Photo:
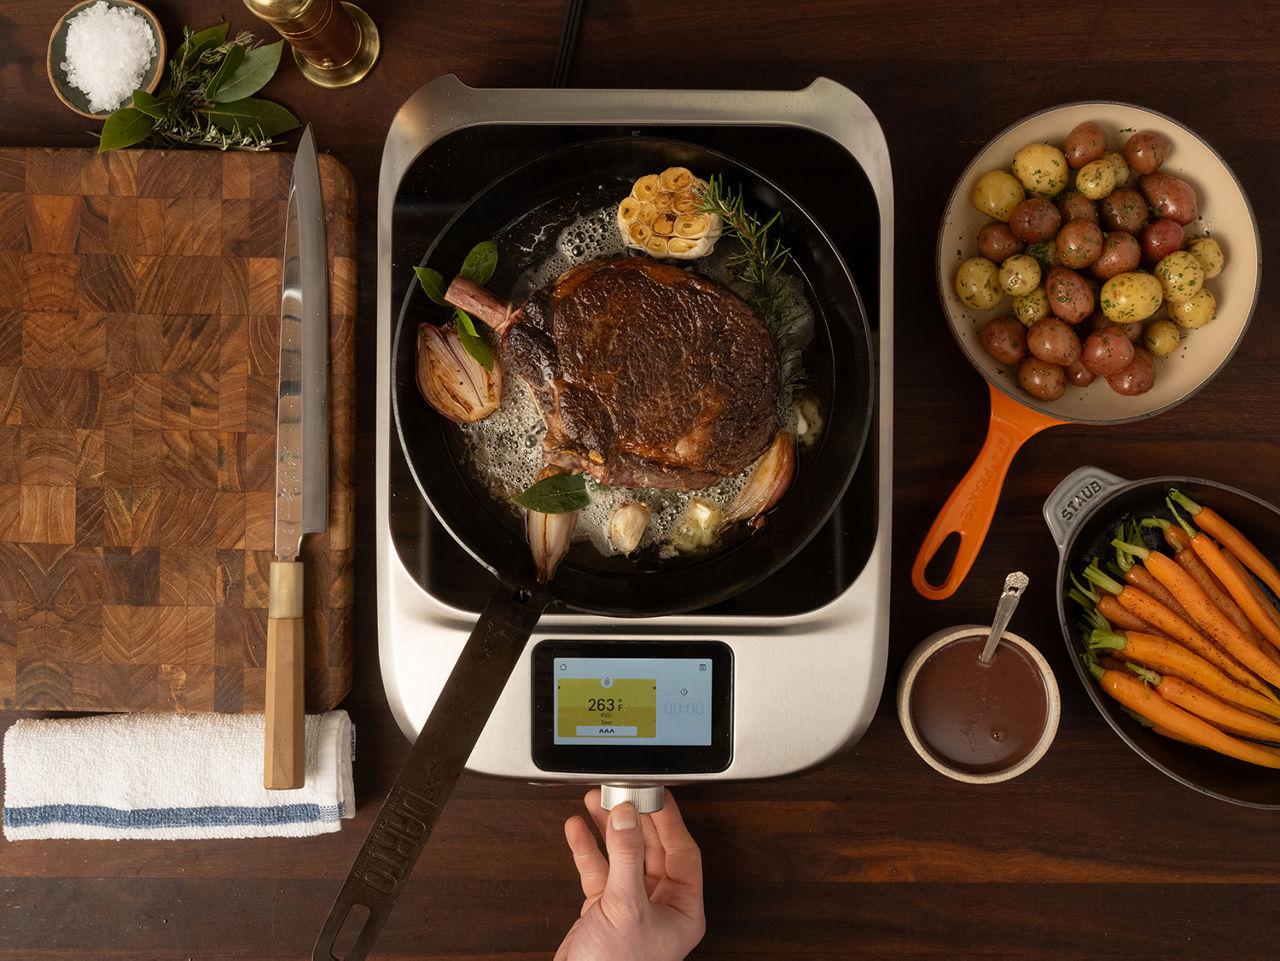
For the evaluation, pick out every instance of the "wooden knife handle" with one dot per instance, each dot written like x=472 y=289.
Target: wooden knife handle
x=285 y=765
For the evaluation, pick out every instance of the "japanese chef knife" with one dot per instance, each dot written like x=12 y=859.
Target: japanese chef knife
x=302 y=461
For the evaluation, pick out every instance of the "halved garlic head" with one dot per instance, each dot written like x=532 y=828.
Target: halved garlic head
x=627 y=525
x=451 y=380
x=662 y=218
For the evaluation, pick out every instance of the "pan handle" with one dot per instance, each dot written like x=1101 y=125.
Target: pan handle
x=436 y=760
x=971 y=507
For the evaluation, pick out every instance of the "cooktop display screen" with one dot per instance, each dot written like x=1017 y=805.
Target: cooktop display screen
x=631 y=706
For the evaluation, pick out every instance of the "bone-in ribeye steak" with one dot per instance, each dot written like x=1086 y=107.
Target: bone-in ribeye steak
x=646 y=375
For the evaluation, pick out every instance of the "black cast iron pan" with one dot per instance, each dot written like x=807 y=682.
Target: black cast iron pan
x=526 y=212
x=1083 y=513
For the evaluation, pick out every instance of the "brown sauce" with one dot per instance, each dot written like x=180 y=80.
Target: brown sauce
x=977 y=717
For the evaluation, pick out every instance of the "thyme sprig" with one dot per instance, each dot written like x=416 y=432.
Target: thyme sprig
x=760 y=262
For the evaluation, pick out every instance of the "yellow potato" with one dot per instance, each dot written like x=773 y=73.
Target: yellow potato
x=1019 y=274
x=1119 y=166
x=1096 y=179
x=1162 y=337
x=996 y=193
x=1031 y=307
x=1133 y=295
x=1209 y=253
x=1042 y=168
x=1180 y=275
x=1196 y=312
x=978 y=283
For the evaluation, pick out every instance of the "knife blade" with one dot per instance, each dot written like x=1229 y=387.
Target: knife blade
x=302 y=462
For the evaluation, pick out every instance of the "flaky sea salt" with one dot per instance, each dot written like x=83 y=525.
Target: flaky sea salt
x=108 y=51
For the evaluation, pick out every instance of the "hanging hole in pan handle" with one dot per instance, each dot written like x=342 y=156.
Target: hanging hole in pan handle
x=964 y=520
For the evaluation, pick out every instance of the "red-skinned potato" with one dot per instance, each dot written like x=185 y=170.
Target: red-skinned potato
x=1161 y=237
x=1035 y=219
x=1120 y=254
x=1073 y=205
x=1107 y=351
x=1078 y=375
x=1085 y=143
x=1041 y=379
x=996 y=242
x=1146 y=151
x=1100 y=321
x=1138 y=377
x=1005 y=339
x=1052 y=340
x=1070 y=296
x=1170 y=197
x=1079 y=243
x=1124 y=209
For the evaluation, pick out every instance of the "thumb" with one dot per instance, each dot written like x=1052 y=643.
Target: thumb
x=624 y=891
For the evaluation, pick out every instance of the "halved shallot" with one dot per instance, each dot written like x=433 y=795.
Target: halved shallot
x=452 y=381
x=769 y=480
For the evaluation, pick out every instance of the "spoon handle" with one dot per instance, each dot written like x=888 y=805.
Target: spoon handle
x=1014 y=585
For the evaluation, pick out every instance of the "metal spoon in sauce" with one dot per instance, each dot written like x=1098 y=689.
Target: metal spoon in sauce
x=1014 y=585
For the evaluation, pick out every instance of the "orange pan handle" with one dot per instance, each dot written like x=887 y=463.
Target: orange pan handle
x=972 y=505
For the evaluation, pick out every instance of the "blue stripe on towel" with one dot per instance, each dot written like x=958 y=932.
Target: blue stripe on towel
x=156 y=818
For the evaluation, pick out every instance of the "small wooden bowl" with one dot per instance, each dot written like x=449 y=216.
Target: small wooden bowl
x=75 y=98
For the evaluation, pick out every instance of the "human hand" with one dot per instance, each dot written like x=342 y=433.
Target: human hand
x=643 y=901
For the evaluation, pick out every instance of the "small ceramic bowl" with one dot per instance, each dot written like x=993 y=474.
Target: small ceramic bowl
x=972 y=722
x=74 y=97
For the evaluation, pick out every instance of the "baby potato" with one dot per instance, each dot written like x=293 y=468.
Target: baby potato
x=1031 y=307
x=1209 y=253
x=1074 y=205
x=1042 y=168
x=1004 y=339
x=1070 y=296
x=1119 y=166
x=1180 y=275
x=1034 y=220
x=1079 y=243
x=1121 y=253
x=1041 y=379
x=1085 y=143
x=978 y=283
x=1124 y=209
x=997 y=242
x=1133 y=295
x=996 y=193
x=1196 y=312
x=1161 y=337
x=1096 y=179
x=1019 y=274
x=1146 y=151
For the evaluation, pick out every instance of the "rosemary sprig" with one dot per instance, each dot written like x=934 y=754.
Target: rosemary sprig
x=760 y=262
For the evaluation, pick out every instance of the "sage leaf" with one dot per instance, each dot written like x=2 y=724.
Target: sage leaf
x=151 y=106
x=480 y=263
x=251 y=115
x=124 y=128
x=557 y=494
x=233 y=59
x=432 y=285
x=250 y=74
x=472 y=342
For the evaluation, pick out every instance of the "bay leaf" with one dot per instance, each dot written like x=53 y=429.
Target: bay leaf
x=150 y=105
x=263 y=117
x=472 y=342
x=250 y=74
x=124 y=128
x=557 y=494
x=432 y=285
x=235 y=56
x=480 y=263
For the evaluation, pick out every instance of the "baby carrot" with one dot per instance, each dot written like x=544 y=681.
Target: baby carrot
x=1109 y=606
x=1268 y=606
x=1167 y=622
x=1143 y=579
x=1232 y=539
x=1181 y=541
x=1169 y=657
x=1138 y=697
x=1202 y=610
x=1217 y=712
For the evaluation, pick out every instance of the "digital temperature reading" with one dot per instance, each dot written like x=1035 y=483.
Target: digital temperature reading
x=621 y=700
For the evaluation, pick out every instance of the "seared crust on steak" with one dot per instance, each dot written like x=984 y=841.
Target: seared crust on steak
x=647 y=375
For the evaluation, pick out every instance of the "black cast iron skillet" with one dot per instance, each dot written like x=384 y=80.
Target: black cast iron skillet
x=526 y=211
x=1083 y=512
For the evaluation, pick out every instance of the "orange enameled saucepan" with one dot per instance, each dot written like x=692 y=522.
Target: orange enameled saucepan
x=1016 y=416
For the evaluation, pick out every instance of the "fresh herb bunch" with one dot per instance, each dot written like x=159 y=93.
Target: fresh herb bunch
x=760 y=262
x=205 y=98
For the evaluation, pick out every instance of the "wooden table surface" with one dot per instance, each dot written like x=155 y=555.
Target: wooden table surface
x=1093 y=853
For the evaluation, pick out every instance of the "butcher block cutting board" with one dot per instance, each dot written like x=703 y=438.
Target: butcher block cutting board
x=139 y=350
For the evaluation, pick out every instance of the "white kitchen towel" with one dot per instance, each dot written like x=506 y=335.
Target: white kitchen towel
x=168 y=776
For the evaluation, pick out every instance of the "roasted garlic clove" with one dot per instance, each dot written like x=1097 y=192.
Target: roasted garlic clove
x=451 y=380
x=549 y=538
x=627 y=525
x=668 y=204
x=769 y=480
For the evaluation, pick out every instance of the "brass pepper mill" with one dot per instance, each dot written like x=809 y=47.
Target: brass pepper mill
x=334 y=43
